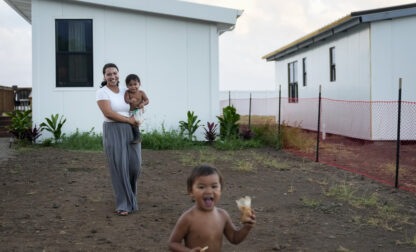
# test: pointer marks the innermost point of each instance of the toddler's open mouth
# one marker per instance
(208, 201)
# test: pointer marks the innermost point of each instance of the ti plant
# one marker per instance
(21, 123)
(228, 123)
(211, 132)
(190, 126)
(54, 125)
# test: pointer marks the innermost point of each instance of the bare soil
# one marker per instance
(60, 200)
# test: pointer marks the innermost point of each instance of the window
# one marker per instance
(332, 69)
(293, 81)
(73, 43)
(304, 71)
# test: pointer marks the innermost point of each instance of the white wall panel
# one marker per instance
(176, 59)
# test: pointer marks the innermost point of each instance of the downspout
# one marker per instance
(371, 84)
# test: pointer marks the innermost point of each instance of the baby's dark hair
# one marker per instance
(202, 170)
(131, 77)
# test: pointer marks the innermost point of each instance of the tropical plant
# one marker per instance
(245, 132)
(211, 132)
(191, 125)
(54, 125)
(21, 123)
(32, 134)
(228, 123)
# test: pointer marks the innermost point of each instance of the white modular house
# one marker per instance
(358, 61)
(171, 45)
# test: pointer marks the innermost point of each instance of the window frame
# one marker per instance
(61, 54)
(332, 64)
(293, 90)
(304, 74)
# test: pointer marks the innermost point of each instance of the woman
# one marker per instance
(123, 158)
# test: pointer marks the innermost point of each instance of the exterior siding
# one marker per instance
(176, 59)
(392, 56)
(352, 83)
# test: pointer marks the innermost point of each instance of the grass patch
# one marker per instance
(256, 120)
(342, 249)
(244, 165)
(267, 134)
(270, 162)
(383, 215)
(167, 140)
(89, 141)
(296, 138)
(197, 158)
(237, 144)
(408, 242)
(310, 202)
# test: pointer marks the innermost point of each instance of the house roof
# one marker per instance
(225, 18)
(351, 20)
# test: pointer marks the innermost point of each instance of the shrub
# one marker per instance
(245, 132)
(237, 144)
(83, 141)
(268, 134)
(21, 123)
(166, 140)
(190, 126)
(211, 132)
(54, 126)
(228, 123)
(294, 137)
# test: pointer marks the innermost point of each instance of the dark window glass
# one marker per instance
(304, 71)
(332, 69)
(74, 66)
(293, 82)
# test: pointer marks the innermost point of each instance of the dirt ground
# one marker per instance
(375, 159)
(59, 200)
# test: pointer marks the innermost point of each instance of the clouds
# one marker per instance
(15, 48)
(265, 26)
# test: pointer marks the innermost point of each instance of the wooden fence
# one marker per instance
(6, 99)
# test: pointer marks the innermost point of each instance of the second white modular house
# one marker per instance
(358, 60)
(172, 46)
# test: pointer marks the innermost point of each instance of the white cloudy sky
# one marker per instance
(265, 26)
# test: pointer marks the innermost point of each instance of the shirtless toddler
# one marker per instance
(202, 226)
(137, 100)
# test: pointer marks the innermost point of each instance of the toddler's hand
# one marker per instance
(251, 222)
(133, 121)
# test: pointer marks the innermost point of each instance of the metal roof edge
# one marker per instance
(224, 17)
(371, 17)
(182, 9)
(20, 12)
(385, 9)
(343, 24)
(329, 30)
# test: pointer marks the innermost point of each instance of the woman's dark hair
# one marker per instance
(108, 65)
(131, 77)
(202, 170)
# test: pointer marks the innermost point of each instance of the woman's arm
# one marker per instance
(105, 107)
(236, 236)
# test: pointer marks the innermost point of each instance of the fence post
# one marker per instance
(280, 102)
(319, 124)
(229, 97)
(249, 113)
(396, 184)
